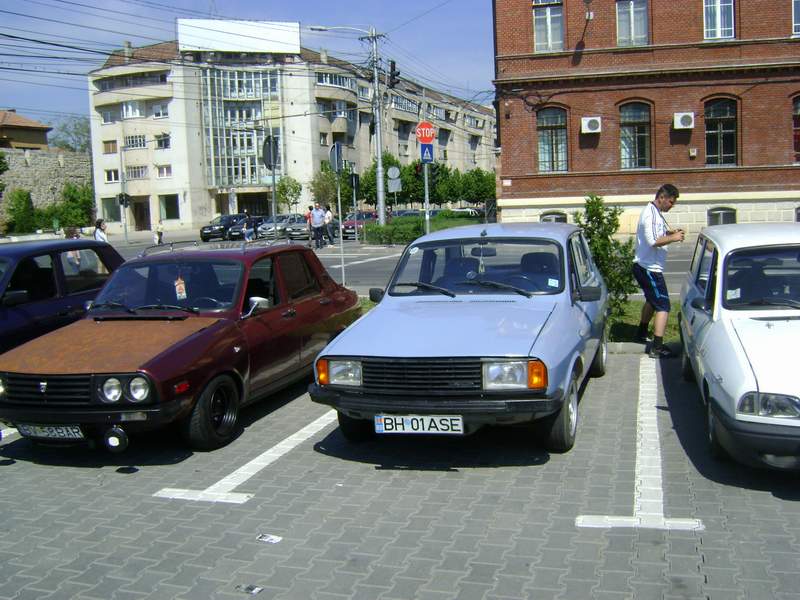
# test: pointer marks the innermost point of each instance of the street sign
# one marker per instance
(393, 172)
(395, 185)
(335, 157)
(269, 152)
(426, 153)
(425, 132)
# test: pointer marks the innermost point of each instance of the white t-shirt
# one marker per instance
(100, 235)
(651, 227)
(328, 217)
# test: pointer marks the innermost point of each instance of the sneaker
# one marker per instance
(662, 352)
(642, 339)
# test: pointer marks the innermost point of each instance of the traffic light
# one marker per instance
(124, 200)
(394, 74)
(433, 173)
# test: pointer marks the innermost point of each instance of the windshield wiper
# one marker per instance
(111, 304)
(425, 286)
(774, 302)
(190, 309)
(498, 285)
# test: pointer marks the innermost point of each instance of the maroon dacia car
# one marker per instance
(185, 335)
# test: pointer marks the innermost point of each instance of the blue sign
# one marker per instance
(426, 153)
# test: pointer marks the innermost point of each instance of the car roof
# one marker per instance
(244, 252)
(555, 231)
(746, 235)
(28, 248)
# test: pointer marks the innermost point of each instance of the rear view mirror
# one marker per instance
(375, 294)
(591, 294)
(257, 304)
(15, 297)
(483, 251)
(699, 303)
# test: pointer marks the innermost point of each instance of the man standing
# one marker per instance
(653, 234)
(317, 223)
(329, 225)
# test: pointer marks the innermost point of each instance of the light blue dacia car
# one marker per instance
(485, 324)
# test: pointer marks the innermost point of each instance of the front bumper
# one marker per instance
(483, 409)
(758, 444)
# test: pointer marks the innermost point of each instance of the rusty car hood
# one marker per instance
(102, 346)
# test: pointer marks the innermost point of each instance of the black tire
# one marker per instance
(714, 447)
(214, 419)
(686, 366)
(561, 428)
(203, 239)
(355, 430)
(598, 367)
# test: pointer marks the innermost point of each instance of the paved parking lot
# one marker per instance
(487, 516)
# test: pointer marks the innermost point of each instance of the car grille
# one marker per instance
(421, 375)
(59, 389)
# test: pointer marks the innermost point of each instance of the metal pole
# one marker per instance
(274, 209)
(123, 186)
(378, 138)
(427, 200)
(341, 232)
(355, 216)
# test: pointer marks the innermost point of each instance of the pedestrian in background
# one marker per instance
(100, 231)
(308, 225)
(653, 234)
(329, 224)
(317, 223)
(160, 232)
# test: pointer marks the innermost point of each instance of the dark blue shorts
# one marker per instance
(653, 286)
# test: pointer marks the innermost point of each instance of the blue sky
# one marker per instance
(449, 48)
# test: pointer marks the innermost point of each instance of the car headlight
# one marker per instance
(139, 389)
(769, 405)
(514, 375)
(2, 386)
(112, 390)
(339, 372)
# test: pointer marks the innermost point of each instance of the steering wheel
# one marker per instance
(207, 301)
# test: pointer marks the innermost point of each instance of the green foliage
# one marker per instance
(77, 206)
(401, 230)
(76, 209)
(288, 190)
(73, 134)
(19, 208)
(323, 188)
(612, 256)
(369, 185)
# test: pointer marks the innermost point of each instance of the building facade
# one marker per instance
(616, 97)
(181, 129)
(21, 132)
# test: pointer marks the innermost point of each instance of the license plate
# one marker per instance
(441, 424)
(52, 432)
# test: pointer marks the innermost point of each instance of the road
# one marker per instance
(490, 516)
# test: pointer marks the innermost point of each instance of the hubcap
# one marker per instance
(572, 407)
(222, 412)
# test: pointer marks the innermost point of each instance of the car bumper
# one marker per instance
(479, 410)
(758, 444)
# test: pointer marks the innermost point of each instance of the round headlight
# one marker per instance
(112, 390)
(139, 389)
(2, 386)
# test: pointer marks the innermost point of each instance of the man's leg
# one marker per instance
(644, 321)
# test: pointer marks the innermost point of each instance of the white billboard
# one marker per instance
(211, 35)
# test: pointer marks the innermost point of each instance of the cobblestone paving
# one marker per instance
(490, 516)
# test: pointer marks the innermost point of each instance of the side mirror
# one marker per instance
(15, 297)
(591, 294)
(375, 294)
(257, 304)
(699, 303)
(87, 306)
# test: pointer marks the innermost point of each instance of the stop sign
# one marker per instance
(425, 132)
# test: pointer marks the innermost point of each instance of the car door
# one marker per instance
(82, 273)
(585, 310)
(273, 340)
(698, 303)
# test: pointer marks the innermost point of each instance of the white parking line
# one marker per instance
(222, 491)
(648, 498)
(366, 260)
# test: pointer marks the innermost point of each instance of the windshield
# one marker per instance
(201, 284)
(4, 263)
(762, 276)
(480, 266)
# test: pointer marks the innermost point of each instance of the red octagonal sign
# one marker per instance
(425, 132)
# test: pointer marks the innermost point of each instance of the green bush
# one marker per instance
(20, 212)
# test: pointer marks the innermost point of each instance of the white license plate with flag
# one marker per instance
(51, 432)
(437, 424)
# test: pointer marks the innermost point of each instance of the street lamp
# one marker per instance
(371, 35)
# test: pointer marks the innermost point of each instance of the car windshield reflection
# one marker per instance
(190, 284)
(759, 278)
(481, 266)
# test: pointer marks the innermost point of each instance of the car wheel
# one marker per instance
(561, 428)
(714, 447)
(203, 239)
(213, 421)
(686, 366)
(598, 368)
(355, 430)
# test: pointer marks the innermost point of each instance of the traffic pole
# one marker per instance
(427, 200)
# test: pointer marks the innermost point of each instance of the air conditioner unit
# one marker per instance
(683, 120)
(591, 124)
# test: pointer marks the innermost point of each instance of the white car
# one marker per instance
(740, 326)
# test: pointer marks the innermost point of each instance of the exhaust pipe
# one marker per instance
(115, 439)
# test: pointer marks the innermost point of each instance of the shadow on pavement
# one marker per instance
(688, 418)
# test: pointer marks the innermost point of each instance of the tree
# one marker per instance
(19, 208)
(288, 190)
(323, 188)
(77, 206)
(478, 186)
(3, 169)
(369, 187)
(72, 133)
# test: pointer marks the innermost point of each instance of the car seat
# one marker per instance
(541, 268)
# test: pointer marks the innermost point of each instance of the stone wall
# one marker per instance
(44, 172)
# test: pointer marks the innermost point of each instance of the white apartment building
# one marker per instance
(179, 126)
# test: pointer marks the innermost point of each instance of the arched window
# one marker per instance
(721, 216)
(634, 135)
(796, 128)
(553, 217)
(721, 132)
(551, 128)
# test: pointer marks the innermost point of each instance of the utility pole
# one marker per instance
(376, 112)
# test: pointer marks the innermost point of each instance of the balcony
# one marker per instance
(145, 92)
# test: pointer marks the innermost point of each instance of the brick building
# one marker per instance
(616, 97)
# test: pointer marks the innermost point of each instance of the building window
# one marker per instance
(323, 139)
(336, 80)
(364, 93)
(136, 172)
(721, 216)
(112, 175)
(133, 142)
(797, 214)
(107, 116)
(548, 26)
(473, 122)
(796, 128)
(160, 111)
(111, 209)
(168, 207)
(164, 171)
(131, 109)
(634, 135)
(796, 17)
(551, 127)
(109, 146)
(632, 23)
(553, 217)
(437, 112)
(720, 132)
(162, 141)
(405, 104)
(718, 16)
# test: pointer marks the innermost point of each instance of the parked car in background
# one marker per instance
(297, 228)
(357, 220)
(44, 284)
(218, 228)
(186, 336)
(739, 325)
(483, 324)
(236, 232)
(407, 213)
(276, 227)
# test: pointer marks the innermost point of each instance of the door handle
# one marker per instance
(289, 313)
(325, 301)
